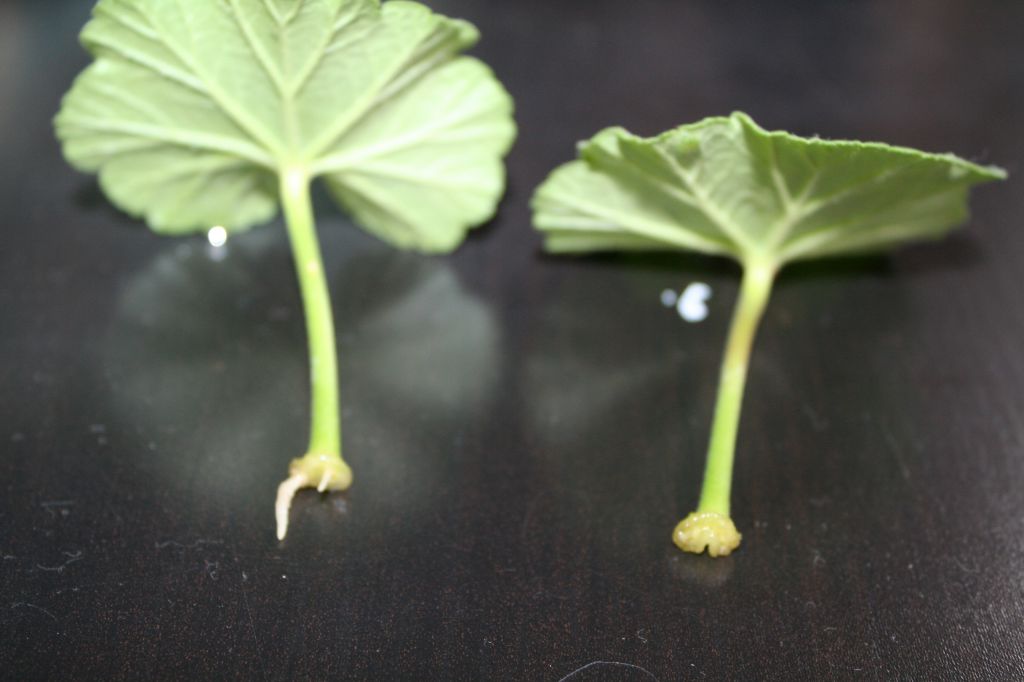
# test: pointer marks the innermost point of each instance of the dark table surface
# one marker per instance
(526, 430)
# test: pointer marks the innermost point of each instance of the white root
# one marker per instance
(285, 492)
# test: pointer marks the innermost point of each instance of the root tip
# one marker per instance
(282, 506)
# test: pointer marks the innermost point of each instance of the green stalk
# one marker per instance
(710, 526)
(325, 426)
(753, 297)
(322, 464)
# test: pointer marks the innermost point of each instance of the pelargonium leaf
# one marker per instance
(192, 109)
(725, 186)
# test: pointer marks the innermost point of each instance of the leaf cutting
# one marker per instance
(213, 113)
(726, 187)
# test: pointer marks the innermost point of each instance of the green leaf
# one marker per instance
(725, 186)
(198, 113)
(192, 110)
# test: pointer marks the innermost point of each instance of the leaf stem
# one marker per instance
(710, 526)
(322, 465)
(753, 297)
(325, 431)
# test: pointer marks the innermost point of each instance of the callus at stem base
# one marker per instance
(325, 472)
(707, 530)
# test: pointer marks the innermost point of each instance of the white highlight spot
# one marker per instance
(692, 305)
(217, 235)
(669, 298)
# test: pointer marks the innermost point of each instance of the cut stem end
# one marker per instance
(324, 471)
(707, 530)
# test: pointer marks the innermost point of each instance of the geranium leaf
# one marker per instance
(725, 186)
(192, 109)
